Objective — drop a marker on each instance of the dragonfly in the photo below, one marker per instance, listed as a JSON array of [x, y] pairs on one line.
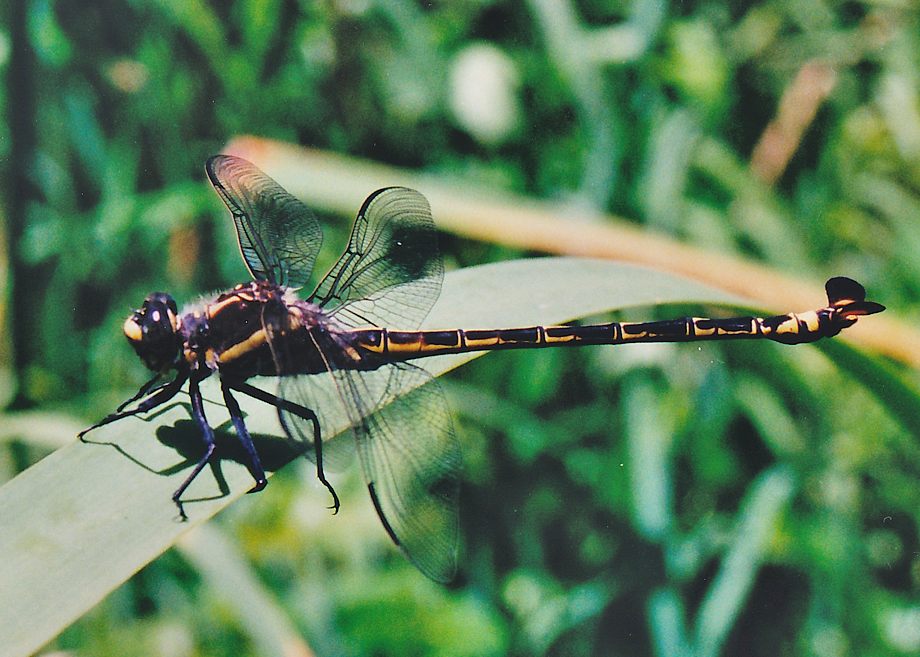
[[348, 348]]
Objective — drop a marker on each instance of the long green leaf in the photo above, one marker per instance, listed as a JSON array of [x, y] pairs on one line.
[[87, 517]]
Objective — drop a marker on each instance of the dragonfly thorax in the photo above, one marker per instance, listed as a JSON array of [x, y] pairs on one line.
[[153, 331]]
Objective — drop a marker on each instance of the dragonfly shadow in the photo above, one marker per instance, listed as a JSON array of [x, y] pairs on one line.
[[184, 437]]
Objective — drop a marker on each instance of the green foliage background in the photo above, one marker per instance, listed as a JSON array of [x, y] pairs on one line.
[[740, 499]]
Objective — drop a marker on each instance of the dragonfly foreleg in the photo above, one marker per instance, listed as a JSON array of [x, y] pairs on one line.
[[160, 396], [207, 433], [144, 390], [303, 413], [236, 416]]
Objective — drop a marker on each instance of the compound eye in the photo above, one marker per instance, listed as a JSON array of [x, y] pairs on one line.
[[152, 330], [159, 315], [161, 300]]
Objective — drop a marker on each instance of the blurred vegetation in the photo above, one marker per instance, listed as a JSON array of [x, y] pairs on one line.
[[739, 499]]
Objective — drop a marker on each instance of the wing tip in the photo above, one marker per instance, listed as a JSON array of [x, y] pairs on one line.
[[416, 195], [211, 166], [215, 165]]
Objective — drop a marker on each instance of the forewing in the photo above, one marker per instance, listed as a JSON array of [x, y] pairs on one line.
[[411, 460], [278, 235], [390, 274]]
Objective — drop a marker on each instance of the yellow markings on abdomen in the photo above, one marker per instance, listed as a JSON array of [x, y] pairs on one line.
[[794, 325], [701, 329], [481, 339], [811, 320], [414, 342], [556, 334]]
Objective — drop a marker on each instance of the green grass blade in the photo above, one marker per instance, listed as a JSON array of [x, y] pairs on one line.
[[765, 501], [229, 575]]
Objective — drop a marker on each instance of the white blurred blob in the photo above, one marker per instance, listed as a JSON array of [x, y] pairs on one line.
[[4, 48], [408, 97], [317, 47], [640, 355], [483, 84], [829, 641], [128, 75], [901, 628], [352, 7]]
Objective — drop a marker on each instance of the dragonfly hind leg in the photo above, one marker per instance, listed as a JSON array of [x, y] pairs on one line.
[[305, 414], [236, 416]]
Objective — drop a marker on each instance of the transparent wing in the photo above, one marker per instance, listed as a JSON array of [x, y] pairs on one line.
[[409, 453], [411, 461], [279, 236], [390, 274]]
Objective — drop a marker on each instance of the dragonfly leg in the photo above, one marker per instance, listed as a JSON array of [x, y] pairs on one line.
[[207, 433], [236, 416], [144, 390], [303, 413], [162, 395]]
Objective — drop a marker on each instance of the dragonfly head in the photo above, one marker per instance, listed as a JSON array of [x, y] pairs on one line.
[[153, 331]]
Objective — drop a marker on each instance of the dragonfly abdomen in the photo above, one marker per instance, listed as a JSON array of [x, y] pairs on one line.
[[792, 328]]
